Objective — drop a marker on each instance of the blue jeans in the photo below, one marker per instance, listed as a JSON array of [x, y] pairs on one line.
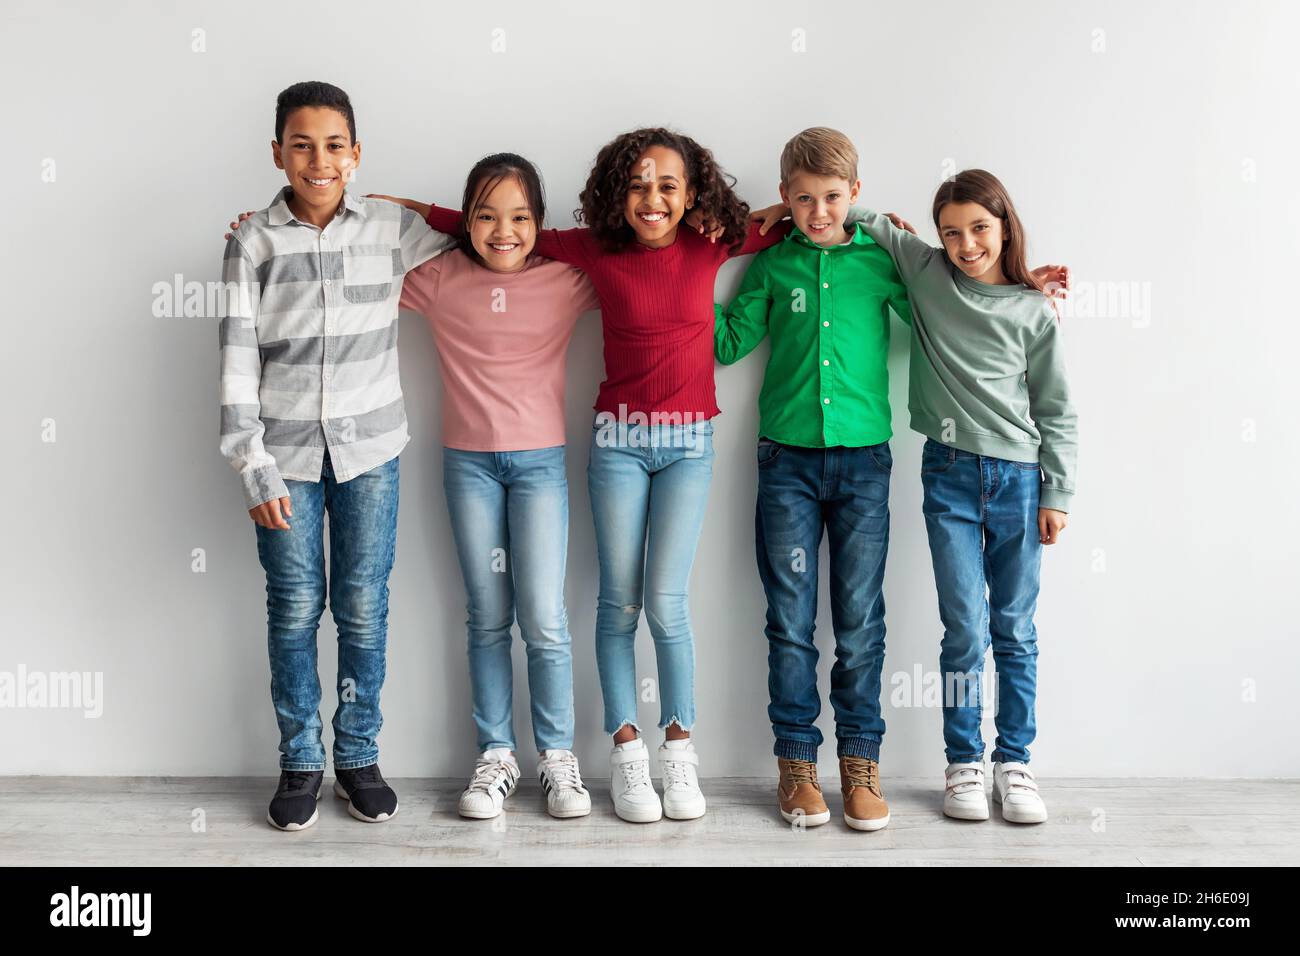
[[649, 485], [800, 492], [363, 536], [982, 517], [510, 518]]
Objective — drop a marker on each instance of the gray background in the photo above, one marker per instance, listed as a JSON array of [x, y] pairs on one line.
[[1160, 151]]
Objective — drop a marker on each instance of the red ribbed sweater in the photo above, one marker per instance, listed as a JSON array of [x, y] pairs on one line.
[[656, 308]]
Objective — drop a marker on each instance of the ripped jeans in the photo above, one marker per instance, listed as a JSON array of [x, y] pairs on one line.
[[648, 486]]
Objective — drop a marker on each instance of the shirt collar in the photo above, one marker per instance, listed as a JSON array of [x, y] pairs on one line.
[[858, 237], [279, 213]]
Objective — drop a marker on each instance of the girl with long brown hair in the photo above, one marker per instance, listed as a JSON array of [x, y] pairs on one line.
[[987, 387]]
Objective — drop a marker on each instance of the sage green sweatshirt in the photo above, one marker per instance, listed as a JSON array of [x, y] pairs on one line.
[[986, 373]]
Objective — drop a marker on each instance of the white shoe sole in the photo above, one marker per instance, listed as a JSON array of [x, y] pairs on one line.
[[809, 819], [966, 813], [639, 814], [479, 814], [569, 814], [343, 795], [867, 825], [692, 812]]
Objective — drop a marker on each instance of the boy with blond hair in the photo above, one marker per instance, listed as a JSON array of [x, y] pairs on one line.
[[823, 294]]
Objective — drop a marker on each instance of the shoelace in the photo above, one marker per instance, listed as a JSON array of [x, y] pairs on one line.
[[636, 775], [296, 781], [965, 780], [801, 771], [488, 772], [676, 773], [863, 773], [563, 772], [366, 778]]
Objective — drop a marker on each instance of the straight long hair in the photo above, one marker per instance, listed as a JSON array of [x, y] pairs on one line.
[[982, 187]]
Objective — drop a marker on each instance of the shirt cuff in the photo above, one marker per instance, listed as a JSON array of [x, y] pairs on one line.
[[262, 485]]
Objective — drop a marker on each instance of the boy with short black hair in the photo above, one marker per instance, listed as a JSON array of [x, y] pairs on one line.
[[312, 419]]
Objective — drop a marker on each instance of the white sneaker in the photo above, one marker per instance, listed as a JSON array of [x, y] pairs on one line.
[[1016, 789], [634, 797], [496, 774], [562, 784], [682, 797], [963, 792]]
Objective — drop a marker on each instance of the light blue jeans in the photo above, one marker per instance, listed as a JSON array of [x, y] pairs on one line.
[[981, 514], [510, 518], [649, 485], [363, 536]]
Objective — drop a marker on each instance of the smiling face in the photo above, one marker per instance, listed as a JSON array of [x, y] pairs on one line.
[[973, 238], [819, 204], [503, 229], [657, 196], [318, 158]]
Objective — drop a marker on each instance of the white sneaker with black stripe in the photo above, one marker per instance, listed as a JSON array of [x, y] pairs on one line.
[[496, 774], [562, 783]]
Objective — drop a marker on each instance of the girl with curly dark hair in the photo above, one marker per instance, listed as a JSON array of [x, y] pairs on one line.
[[652, 444]]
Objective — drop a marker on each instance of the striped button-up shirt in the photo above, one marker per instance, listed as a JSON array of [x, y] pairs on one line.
[[309, 341]]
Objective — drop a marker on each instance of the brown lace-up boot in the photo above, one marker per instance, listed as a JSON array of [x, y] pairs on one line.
[[800, 794], [864, 804]]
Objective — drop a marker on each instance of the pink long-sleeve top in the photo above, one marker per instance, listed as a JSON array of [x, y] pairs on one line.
[[501, 340]]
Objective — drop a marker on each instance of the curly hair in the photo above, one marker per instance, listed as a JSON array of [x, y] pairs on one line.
[[604, 197]]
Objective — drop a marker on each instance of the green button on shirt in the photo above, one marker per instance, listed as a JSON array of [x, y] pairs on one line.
[[827, 310]]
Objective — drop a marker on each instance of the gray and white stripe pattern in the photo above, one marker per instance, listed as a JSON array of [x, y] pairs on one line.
[[309, 341]]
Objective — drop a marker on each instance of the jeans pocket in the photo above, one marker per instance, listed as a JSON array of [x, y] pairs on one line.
[[936, 457], [882, 456], [769, 451]]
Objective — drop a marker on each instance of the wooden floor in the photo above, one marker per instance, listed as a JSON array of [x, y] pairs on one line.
[[221, 821]]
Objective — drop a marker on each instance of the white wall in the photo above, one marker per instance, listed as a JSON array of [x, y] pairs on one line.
[[1166, 159]]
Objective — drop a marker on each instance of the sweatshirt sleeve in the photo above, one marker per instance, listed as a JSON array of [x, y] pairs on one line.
[[742, 325], [910, 253], [242, 428], [1053, 413]]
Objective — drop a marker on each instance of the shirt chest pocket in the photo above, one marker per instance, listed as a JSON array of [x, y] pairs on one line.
[[367, 273]]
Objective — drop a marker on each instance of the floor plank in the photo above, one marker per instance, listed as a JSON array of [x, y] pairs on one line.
[[87, 821]]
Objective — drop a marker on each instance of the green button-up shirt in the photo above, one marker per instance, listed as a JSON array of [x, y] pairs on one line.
[[827, 310]]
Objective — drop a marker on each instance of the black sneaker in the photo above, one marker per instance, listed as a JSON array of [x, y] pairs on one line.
[[369, 797], [294, 805]]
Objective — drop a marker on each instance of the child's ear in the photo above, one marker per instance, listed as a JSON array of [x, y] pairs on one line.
[[785, 196], [854, 190], [275, 155], [356, 161]]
